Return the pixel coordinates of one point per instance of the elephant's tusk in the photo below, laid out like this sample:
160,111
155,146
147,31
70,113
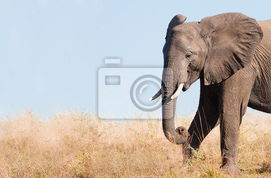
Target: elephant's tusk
156,95
177,92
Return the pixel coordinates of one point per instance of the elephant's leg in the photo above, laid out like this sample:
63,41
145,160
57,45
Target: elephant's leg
229,132
233,103
230,121
204,121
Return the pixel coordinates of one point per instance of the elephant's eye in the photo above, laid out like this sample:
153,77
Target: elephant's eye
188,55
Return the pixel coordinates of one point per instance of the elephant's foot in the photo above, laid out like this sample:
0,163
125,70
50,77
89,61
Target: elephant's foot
231,169
229,165
189,154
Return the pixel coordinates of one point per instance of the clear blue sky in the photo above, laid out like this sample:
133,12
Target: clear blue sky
51,50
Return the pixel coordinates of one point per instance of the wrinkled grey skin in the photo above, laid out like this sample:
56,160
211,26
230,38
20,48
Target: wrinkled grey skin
231,55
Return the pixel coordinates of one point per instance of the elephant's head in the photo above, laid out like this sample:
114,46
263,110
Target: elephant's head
212,50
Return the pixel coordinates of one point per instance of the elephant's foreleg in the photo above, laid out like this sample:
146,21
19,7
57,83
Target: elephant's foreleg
204,121
200,127
229,131
230,121
235,94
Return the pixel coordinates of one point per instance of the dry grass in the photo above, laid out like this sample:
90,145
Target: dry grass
77,145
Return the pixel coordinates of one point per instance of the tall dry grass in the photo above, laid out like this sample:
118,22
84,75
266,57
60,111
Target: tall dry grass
77,145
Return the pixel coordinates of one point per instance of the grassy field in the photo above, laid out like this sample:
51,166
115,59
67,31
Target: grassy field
77,145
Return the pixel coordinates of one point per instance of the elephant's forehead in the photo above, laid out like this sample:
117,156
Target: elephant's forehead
186,29
184,39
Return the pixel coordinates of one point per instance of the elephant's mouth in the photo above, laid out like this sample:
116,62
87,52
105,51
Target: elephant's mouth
186,86
179,88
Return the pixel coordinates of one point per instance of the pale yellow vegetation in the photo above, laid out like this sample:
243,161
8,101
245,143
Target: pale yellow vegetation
78,145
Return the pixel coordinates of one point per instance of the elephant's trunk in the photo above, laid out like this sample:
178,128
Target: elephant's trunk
179,135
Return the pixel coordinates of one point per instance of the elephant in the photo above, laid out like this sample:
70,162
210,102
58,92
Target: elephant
230,54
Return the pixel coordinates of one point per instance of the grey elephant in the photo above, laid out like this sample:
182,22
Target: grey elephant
231,55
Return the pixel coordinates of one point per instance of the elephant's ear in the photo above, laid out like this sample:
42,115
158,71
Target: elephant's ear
231,39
